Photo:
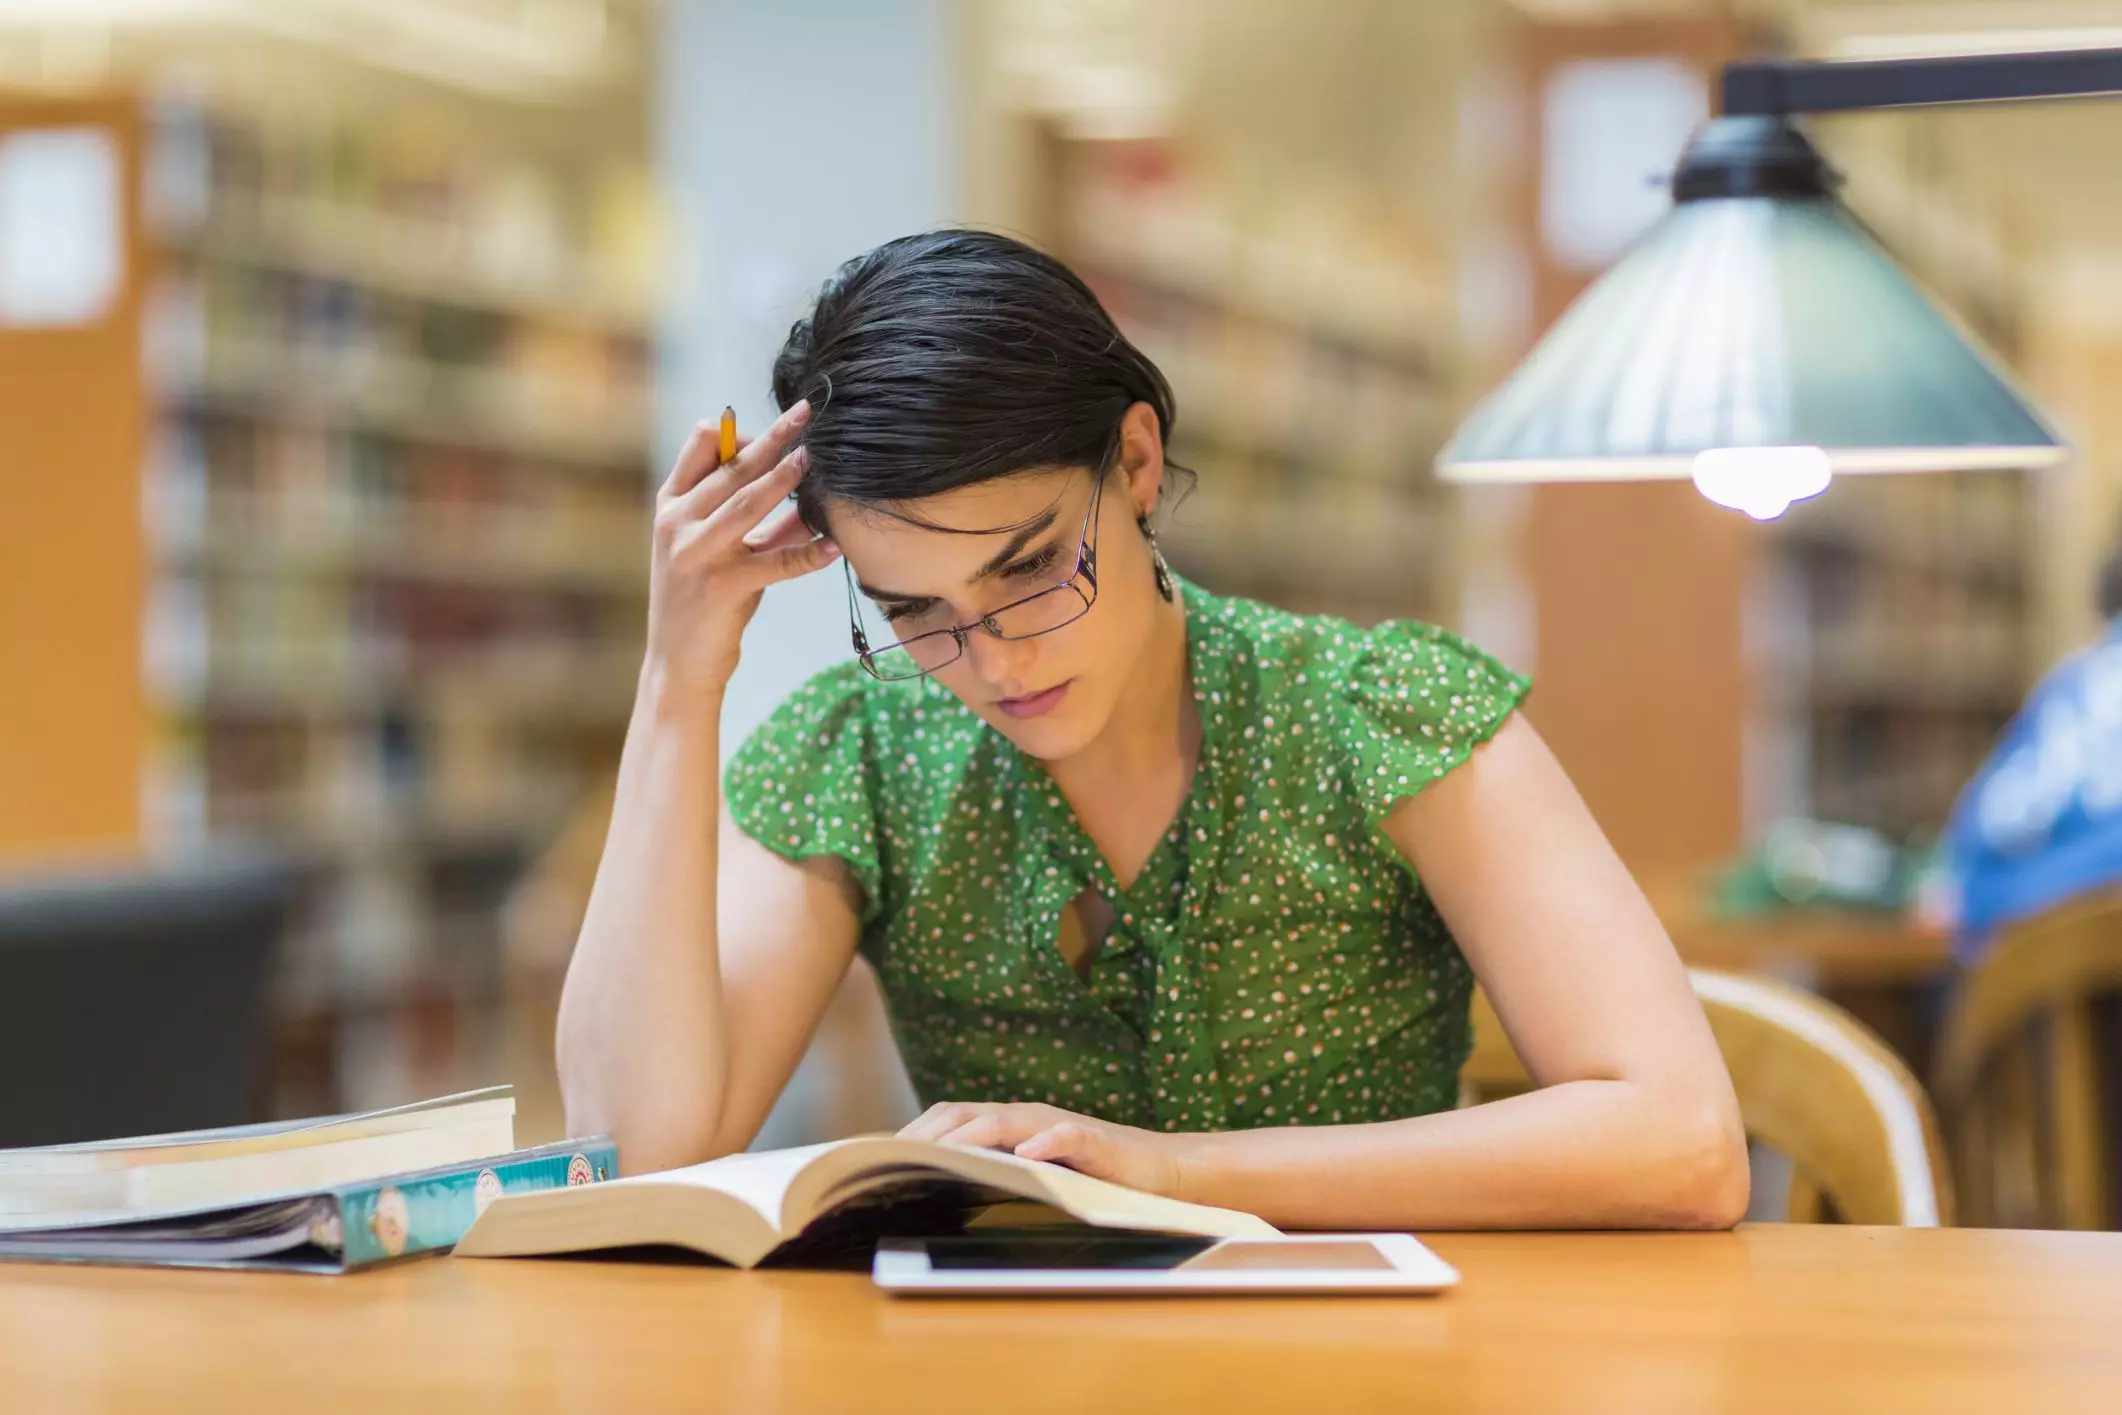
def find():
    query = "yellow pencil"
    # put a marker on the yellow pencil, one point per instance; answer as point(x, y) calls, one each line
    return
point(727, 448)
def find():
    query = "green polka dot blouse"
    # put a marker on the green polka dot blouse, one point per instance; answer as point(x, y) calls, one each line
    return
point(1276, 963)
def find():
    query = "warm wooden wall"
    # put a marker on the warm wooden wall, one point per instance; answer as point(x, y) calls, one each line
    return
point(72, 432)
point(1641, 679)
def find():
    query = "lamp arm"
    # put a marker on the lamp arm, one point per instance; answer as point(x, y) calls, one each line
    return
point(1772, 87)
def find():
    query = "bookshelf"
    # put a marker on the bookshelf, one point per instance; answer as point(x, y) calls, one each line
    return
point(71, 568)
point(1914, 605)
point(1312, 364)
point(394, 505)
point(1914, 614)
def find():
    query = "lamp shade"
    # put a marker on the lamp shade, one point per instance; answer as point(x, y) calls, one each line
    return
point(1759, 313)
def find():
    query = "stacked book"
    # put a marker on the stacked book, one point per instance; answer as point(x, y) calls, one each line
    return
point(324, 1195)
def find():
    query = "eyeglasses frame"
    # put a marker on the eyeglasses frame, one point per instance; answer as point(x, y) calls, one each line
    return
point(1086, 569)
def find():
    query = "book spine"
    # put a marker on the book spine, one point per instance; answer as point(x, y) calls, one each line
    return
point(399, 1218)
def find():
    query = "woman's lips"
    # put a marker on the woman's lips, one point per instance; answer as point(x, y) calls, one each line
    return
point(1037, 705)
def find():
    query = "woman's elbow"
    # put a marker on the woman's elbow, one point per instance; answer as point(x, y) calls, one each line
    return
point(1712, 1180)
point(647, 1141)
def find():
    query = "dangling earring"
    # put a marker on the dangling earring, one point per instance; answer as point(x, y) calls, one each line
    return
point(1157, 562)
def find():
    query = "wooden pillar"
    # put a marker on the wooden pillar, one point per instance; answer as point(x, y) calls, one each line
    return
point(1641, 684)
point(73, 419)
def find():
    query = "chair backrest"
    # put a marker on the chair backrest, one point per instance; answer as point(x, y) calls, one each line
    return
point(1814, 1083)
point(2018, 1076)
point(134, 1002)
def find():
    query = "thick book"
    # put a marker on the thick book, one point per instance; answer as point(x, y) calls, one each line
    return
point(330, 1230)
point(203, 1167)
point(787, 1206)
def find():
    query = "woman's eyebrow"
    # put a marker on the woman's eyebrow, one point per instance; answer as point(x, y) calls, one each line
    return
point(874, 593)
point(1036, 526)
point(1019, 538)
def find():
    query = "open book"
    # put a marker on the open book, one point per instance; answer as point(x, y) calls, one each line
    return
point(747, 1208)
point(200, 1167)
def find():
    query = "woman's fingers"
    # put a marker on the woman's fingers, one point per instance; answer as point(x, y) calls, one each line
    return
point(784, 528)
point(938, 1120)
point(1078, 1146)
point(992, 1131)
point(789, 549)
point(695, 460)
point(998, 1127)
point(701, 454)
point(745, 507)
point(790, 561)
point(703, 486)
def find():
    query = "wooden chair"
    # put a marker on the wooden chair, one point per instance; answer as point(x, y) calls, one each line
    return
point(2018, 1077)
point(1814, 1083)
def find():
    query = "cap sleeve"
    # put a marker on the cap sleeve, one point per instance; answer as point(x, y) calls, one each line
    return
point(1411, 703)
point(805, 782)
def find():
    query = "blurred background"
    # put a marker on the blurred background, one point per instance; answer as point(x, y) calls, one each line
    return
point(342, 343)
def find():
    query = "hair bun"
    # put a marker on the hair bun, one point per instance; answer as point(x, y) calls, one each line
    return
point(792, 366)
point(953, 357)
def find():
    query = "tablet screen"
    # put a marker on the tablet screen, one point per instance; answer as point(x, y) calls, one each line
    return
point(1104, 1251)
point(987, 1251)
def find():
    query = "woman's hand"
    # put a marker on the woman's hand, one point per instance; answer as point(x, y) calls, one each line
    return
point(712, 557)
point(1140, 1159)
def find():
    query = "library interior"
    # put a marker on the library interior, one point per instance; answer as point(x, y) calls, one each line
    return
point(1729, 370)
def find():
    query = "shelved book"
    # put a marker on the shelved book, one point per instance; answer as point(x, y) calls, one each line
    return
point(326, 1195)
point(790, 1207)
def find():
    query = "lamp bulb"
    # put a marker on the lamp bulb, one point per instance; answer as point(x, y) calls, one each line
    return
point(1761, 481)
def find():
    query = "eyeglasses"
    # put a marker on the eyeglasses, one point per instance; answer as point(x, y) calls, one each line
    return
point(1055, 607)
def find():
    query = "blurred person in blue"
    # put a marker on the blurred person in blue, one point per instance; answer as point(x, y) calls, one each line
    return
point(2041, 823)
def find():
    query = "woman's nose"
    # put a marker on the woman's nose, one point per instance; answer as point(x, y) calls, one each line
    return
point(1000, 663)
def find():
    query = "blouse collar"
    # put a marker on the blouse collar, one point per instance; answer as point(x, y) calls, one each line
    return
point(1052, 821)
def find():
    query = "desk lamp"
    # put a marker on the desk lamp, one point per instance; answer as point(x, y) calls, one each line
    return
point(1758, 339)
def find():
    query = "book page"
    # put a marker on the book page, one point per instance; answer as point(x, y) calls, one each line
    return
point(864, 1165)
point(468, 1109)
point(760, 1180)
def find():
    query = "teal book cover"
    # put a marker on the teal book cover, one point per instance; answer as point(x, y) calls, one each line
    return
point(421, 1213)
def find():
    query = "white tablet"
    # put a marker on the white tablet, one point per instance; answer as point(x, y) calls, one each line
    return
point(1047, 1261)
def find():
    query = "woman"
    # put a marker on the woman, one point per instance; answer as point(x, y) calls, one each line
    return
point(1149, 876)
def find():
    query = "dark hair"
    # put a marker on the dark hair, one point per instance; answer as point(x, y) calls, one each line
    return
point(952, 357)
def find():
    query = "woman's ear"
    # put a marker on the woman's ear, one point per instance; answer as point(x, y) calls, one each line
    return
point(1142, 457)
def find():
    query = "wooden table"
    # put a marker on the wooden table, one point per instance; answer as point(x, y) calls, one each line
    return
point(1769, 1318)
point(1876, 965)
point(1831, 947)
point(1828, 947)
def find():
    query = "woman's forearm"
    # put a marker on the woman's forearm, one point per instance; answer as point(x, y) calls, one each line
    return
point(1581, 1154)
point(642, 1050)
